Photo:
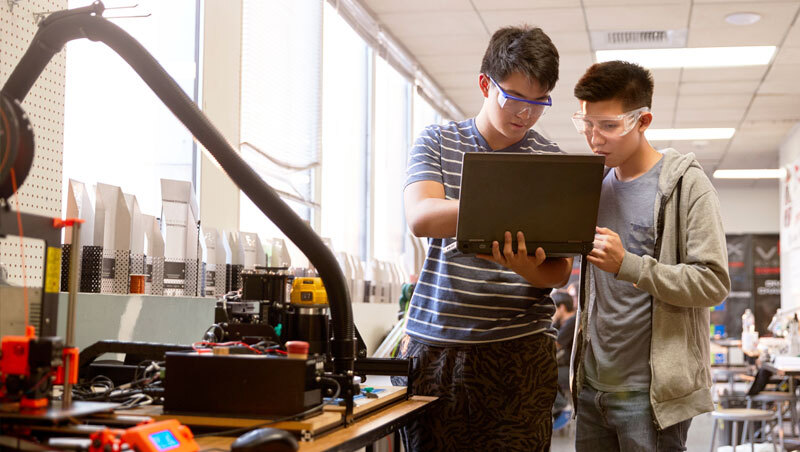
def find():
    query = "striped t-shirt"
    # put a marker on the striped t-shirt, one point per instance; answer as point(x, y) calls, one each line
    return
point(470, 300)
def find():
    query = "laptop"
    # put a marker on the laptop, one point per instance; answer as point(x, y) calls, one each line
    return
point(553, 199)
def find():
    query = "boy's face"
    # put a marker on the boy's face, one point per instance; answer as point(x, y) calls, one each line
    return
point(512, 124)
point(616, 149)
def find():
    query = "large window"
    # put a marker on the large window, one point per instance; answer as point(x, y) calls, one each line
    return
point(116, 130)
point(345, 135)
point(424, 114)
point(280, 104)
point(392, 133)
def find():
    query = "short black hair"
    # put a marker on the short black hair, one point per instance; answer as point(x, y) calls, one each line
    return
point(626, 82)
point(523, 49)
point(563, 299)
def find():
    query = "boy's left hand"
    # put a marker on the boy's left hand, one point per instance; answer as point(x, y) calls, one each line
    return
point(608, 252)
point(521, 262)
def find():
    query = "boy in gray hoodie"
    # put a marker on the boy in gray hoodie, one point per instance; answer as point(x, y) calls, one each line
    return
point(641, 355)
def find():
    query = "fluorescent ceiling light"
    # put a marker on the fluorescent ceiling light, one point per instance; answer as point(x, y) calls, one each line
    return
point(722, 133)
point(692, 57)
point(749, 174)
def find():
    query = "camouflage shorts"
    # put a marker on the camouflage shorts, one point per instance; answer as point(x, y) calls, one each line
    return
point(495, 396)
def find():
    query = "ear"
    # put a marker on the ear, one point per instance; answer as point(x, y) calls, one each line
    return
point(483, 84)
point(645, 120)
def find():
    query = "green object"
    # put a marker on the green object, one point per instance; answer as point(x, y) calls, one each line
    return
point(278, 329)
point(369, 389)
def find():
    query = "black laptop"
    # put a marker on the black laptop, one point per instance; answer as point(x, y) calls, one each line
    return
point(552, 199)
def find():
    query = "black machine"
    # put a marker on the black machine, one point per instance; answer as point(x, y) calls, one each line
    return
point(262, 305)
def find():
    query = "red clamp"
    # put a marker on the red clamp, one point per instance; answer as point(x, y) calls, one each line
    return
point(58, 223)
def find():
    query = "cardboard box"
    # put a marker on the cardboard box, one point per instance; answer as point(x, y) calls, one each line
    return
point(116, 232)
point(154, 268)
point(179, 215)
point(217, 258)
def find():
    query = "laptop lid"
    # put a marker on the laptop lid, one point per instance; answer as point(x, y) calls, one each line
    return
point(553, 199)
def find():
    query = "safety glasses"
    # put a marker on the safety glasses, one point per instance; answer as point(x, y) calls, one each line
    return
point(519, 106)
point(609, 126)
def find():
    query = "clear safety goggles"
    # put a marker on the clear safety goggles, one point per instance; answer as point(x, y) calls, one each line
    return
point(519, 106)
point(610, 126)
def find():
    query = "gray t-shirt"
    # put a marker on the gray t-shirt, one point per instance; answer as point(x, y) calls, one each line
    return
point(618, 358)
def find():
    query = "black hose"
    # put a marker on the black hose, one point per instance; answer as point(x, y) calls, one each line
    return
point(62, 27)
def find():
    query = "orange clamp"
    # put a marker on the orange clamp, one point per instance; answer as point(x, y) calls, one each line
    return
point(69, 355)
point(58, 223)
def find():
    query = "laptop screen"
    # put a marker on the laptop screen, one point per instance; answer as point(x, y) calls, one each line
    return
point(553, 199)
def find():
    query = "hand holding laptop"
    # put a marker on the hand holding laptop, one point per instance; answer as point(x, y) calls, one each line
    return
point(536, 268)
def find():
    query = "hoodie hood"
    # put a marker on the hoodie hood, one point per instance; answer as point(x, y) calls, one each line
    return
point(675, 165)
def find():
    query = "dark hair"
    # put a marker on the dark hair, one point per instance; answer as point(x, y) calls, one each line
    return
point(626, 82)
point(523, 49)
point(563, 299)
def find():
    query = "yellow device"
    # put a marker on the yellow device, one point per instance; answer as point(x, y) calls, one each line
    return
point(309, 292)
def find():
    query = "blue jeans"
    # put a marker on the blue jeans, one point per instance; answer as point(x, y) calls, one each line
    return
point(623, 421)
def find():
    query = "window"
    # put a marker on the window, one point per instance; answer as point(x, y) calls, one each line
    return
point(116, 130)
point(424, 115)
point(280, 105)
point(392, 132)
point(345, 135)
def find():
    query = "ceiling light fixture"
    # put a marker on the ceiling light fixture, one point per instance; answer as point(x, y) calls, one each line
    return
point(721, 133)
point(742, 18)
point(692, 57)
point(749, 174)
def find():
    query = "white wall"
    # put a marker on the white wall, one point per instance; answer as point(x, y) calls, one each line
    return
point(790, 251)
point(750, 210)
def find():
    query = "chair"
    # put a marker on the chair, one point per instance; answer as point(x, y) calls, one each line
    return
point(748, 415)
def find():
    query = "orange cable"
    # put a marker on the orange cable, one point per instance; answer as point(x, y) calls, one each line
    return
point(21, 246)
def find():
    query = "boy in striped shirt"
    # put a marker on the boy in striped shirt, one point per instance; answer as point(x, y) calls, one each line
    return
point(481, 328)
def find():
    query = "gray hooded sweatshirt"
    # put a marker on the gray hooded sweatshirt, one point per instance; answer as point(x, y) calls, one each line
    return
point(689, 275)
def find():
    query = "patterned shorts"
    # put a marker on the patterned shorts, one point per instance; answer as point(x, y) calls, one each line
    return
point(496, 396)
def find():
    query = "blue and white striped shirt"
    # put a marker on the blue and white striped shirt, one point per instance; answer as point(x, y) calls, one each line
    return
point(470, 300)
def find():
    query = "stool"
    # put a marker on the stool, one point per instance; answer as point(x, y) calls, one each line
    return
point(779, 397)
point(747, 415)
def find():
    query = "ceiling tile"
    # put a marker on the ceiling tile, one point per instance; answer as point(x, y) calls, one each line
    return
point(490, 5)
point(632, 2)
point(575, 62)
point(788, 56)
point(783, 73)
point(770, 106)
point(780, 86)
point(688, 117)
point(746, 160)
point(733, 87)
point(793, 38)
point(732, 101)
point(435, 23)
point(639, 17)
point(723, 74)
point(706, 120)
point(549, 19)
point(570, 41)
point(666, 75)
point(456, 79)
point(406, 6)
point(708, 27)
point(452, 63)
point(446, 45)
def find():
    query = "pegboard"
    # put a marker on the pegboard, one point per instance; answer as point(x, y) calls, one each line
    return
point(41, 192)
